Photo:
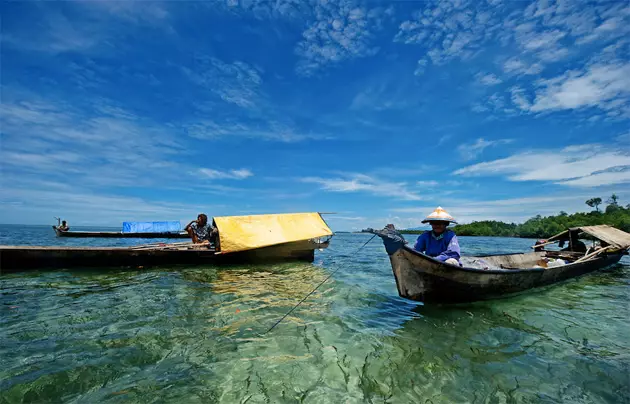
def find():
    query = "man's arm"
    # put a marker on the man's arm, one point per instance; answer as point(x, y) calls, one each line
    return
point(452, 251)
point(189, 224)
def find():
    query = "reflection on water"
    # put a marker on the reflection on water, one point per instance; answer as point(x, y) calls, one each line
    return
point(197, 335)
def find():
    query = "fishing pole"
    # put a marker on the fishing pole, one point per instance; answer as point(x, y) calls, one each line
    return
point(312, 291)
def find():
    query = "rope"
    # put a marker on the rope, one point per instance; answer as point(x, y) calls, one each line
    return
point(313, 291)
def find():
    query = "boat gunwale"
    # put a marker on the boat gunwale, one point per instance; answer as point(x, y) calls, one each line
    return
point(506, 271)
point(166, 247)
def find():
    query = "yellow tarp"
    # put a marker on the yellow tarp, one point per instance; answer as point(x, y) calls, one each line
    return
point(240, 233)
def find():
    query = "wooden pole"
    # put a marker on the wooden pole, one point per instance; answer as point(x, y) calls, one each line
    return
point(593, 254)
point(544, 244)
point(139, 247)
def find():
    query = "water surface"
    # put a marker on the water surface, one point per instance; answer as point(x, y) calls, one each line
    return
point(194, 334)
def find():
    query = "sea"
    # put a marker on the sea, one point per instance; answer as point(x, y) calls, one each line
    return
point(199, 334)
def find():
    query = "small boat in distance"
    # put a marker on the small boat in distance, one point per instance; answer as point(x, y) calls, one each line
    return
point(242, 239)
point(170, 229)
point(422, 278)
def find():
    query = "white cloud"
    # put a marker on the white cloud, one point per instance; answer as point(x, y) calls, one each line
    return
point(339, 31)
point(37, 203)
point(382, 94)
point(236, 83)
point(519, 99)
point(428, 184)
point(239, 174)
point(264, 9)
point(365, 183)
point(469, 151)
point(488, 79)
point(507, 210)
point(56, 33)
point(517, 66)
point(99, 145)
point(600, 86)
point(132, 11)
point(449, 30)
point(573, 164)
point(532, 37)
point(611, 176)
point(265, 130)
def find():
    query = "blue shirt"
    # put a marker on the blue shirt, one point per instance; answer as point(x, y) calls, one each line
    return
point(440, 247)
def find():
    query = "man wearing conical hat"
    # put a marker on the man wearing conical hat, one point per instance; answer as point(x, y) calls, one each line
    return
point(439, 242)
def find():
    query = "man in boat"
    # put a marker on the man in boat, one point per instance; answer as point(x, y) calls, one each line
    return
point(574, 246)
point(64, 226)
point(200, 231)
point(439, 243)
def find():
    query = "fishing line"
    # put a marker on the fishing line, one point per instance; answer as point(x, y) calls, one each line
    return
point(313, 291)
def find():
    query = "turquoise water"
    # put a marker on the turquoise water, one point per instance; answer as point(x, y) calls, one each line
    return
point(194, 334)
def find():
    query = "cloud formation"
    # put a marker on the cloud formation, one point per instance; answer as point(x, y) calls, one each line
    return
point(604, 86)
point(365, 183)
point(581, 165)
point(339, 31)
point(239, 174)
point(236, 83)
point(470, 151)
point(488, 79)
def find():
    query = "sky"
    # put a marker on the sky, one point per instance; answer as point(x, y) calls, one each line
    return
point(117, 111)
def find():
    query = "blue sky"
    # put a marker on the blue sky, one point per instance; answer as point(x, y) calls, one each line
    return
point(117, 111)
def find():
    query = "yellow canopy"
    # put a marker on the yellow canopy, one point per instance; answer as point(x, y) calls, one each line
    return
point(240, 233)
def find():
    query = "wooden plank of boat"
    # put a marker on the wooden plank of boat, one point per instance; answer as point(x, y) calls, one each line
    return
point(116, 234)
point(423, 278)
point(20, 258)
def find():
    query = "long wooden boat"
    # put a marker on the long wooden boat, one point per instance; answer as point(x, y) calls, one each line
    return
point(425, 279)
point(21, 258)
point(117, 234)
point(242, 239)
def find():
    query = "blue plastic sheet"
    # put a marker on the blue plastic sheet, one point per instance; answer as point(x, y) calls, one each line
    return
point(152, 227)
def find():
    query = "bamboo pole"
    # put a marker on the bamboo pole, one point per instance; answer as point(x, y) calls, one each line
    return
point(142, 246)
point(544, 244)
point(593, 254)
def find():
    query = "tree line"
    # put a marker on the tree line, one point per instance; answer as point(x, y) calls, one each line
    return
point(540, 227)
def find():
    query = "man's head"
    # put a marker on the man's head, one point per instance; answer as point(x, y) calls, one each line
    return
point(438, 227)
point(63, 222)
point(202, 219)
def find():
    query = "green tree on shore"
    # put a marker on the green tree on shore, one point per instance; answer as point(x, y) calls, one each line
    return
point(594, 203)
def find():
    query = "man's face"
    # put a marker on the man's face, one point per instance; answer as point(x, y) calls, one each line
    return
point(438, 227)
point(201, 221)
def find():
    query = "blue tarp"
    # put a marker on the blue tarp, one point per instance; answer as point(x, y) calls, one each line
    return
point(151, 227)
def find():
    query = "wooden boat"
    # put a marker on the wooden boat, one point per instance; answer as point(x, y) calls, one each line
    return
point(117, 234)
point(242, 239)
point(425, 279)
point(20, 258)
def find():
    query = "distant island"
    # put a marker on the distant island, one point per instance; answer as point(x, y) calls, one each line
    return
point(540, 227)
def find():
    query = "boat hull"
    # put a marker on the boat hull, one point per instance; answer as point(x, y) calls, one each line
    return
point(21, 258)
point(116, 234)
point(422, 278)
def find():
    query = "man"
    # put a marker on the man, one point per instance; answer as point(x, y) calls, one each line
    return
point(439, 243)
point(64, 226)
point(200, 231)
point(574, 246)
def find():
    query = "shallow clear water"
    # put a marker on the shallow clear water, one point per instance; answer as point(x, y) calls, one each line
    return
point(194, 334)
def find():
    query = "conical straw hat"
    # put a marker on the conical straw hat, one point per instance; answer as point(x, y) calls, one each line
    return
point(439, 215)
